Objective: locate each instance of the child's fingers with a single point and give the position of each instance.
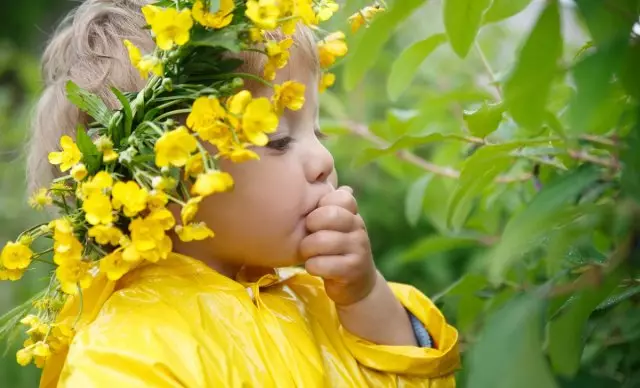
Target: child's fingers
(334, 266)
(331, 218)
(324, 242)
(342, 198)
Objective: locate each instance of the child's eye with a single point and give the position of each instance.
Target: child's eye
(281, 144)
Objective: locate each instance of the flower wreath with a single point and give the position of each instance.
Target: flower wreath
(112, 200)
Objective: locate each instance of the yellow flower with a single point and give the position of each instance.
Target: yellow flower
(195, 166)
(114, 265)
(163, 183)
(157, 199)
(331, 47)
(191, 232)
(190, 209)
(163, 217)
(150, 12)
(130, 196)
(145, 64)
(256, 35)
(24, 356)
(16, 256)
(238, 154)
(69, 155)
(212, 182)
(288, 16)
(219, 19)
(304, 9)
(258, 120)
(278, 53)
(288, 95)
(67, 248)
(207, 118)
(109, 156)
(41, 349)
(74, 273)
(11, 274)
(105, 234)
(365, 15)
(237, 103)
(175, 147)
(263, 13)
(100, 183)
(168, 25)
(145, 234)
(40, 199)
(326, 9)
(327, 81)
(60, 336)
(148, 241)
(98, 209)
(79, 172)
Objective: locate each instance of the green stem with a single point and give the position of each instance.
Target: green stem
(154, 126)
(81, 307)
(39, 260)
(173, 113)
(245, 75)
(487, 67)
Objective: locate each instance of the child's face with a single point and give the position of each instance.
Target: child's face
(262, 221)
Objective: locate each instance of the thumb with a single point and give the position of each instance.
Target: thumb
(348, 189)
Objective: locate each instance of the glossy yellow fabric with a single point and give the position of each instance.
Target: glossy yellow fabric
(180, 324)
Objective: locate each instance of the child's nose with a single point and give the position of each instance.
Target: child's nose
(319, 164)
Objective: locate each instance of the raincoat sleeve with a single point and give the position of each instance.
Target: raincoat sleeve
(127, 347)
(417, 365)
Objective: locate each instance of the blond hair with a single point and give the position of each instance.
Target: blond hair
(87, 48)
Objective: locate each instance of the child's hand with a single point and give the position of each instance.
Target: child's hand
(338, 248)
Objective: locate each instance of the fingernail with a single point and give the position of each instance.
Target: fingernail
(346, 188)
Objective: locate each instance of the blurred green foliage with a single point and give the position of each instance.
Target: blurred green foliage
(491, 146)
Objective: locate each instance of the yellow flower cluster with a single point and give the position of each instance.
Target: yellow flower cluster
(44, 340)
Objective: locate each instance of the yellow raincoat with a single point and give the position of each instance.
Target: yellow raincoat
(178, 323)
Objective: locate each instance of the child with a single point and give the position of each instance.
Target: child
(231, 310)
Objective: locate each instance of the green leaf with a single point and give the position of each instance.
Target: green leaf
(527, 89)
(433, 245)
(594, 89)
(90, 153)
(504, 9)
(88, 103)
(404, 142)
(404, 68)
(547, 209)
(566, 332)
(128, 113)
(462, 21)
(608, 21)
(508, 353)
(484, 120)
(415, 199)
(478, 172)
(226, 38)
(554, 124)
(464, 293)
(631, 166)
(368, 48)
